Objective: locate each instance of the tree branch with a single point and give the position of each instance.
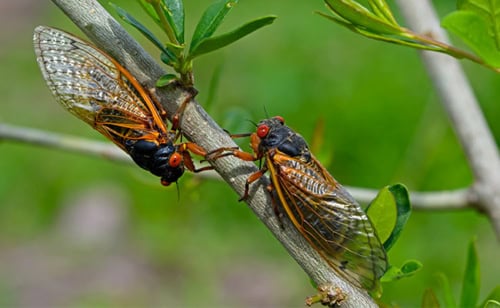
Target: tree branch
(463, 109)
(197, 126)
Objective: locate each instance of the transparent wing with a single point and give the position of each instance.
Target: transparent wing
(95, 88)
(330, 219)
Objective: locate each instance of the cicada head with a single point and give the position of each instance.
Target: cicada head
(274, 134)
(168, 163)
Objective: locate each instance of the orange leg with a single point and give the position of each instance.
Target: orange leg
(252, 178)
(230, 151)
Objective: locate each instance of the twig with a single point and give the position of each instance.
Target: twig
(64, 142)
(197, 126)
(462, 108)
(441, 200)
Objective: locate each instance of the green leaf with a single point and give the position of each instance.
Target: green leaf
(210, 21)
(382, 10)
(150, 11)
(389, 212)
(409, 268)
(402, 199)
(382, 212)
(473, 30)
(174, 13)
(489, 10)
(210, 44)
(471, 282)
(165, 80)
(493, 299)
(361, 17)
(449, 300)
(136, 24)
(429, 299)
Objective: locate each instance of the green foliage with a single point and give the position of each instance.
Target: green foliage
(449, 300)
(169, 15)
(210, 44)
(408, 269)
(470, 285)
(477, 32)
(481, 33)
(472, 279)
(389, 212)
(489, 11)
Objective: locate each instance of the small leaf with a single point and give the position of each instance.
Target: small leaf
(493, 299)
(489, 10)
(429, 299)
(402, 199)
(409, 268)
(473, 30)
(390, 39)
(174, 13)
(210, 20)
(136, 24)
(389, 212)
(382, 10)
(165, 80)
(471, 282)
(382, 212)
(449, 300)
(150, 11)
(210, 44)
(361, 17)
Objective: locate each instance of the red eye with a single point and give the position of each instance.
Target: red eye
(280, 118)
(165, 183)
(262, 130)
(175, 160)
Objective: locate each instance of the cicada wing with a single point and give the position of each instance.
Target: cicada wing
(92, 86)
(330, 219)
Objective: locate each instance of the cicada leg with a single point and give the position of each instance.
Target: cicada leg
(328, 295)
(252, 178)
(190, 147)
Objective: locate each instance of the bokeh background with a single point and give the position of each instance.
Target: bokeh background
(86, 232)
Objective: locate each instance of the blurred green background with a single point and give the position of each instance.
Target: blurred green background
(83, 231)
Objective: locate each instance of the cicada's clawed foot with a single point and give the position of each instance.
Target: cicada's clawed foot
(328, 295)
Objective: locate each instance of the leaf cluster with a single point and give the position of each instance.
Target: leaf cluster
(477, 23)
(169, 16)
(389, 212)
(470, 287)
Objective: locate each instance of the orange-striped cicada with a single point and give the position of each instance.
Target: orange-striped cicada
(317, 205)
(98, 90)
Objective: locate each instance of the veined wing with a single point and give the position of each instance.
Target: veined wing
(329, 218)
(95, 88)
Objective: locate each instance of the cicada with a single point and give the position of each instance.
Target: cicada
(319, 207)
(98, 90)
